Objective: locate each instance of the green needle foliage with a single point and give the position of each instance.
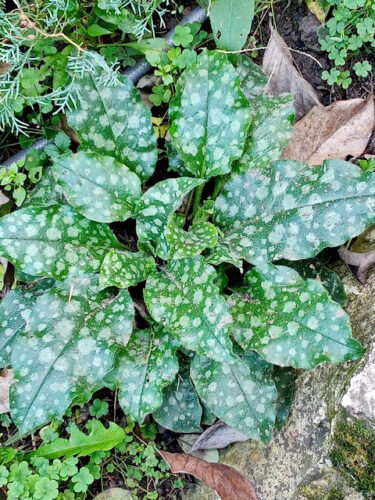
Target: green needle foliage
(155, 318)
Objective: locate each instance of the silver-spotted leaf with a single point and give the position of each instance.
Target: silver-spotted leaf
(269, 132)
(222, 253)
(253, 79)
(46, 192)
(184, 298)
(209, 116)
(292, 210)
(114, 121)
(290, 321)
(231, 22)
(123, 269)
(158, 204)
(54, 240)
(80, 444)
(15, 310)
(143, 369)
(97, 186)
(180, 410)
(67, 349)
(242, 394)
(314, 269)
(179, 243)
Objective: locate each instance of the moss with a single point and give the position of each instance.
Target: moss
(312, 492)
(354, 454)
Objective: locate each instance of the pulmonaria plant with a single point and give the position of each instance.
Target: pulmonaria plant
(129, 305)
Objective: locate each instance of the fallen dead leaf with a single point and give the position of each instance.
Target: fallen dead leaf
(218, 436)
(283, 76)
(114, 494)
(4, 67)
(228, 483)
(6, 378)
(337, 131)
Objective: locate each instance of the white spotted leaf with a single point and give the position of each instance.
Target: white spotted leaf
(114, 121)
(54, 241)
(269, 132)
(184, 297)
(242, 394)
(179, 243)
(290, 321)
(143, 369)
(97, 186)
(67, 348)
(209, 116)
(123, 269)
(15, 310)
(156, 208)
(253, 79)
(180, 410)
(292, 210)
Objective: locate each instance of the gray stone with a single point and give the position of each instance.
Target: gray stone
(114, 494)
(297, 463)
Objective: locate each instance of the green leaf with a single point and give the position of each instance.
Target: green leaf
(285, 380)
(180, 243)
(180, 410)
(183, 297)
(98, 187)
(290, 321)
(241, 394)
(313, 269)
(124, 269)
(15, 309)
(231, 22)
(95, 30)
(114, 121)
(292, 210)
(46, 193)
(209, 116)
(253, 79)
(143, 369)
(80, 444)
(54, 240)
(70, 341)
(157, 205)
(269, 132)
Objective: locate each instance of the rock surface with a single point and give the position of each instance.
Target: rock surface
(321, 453)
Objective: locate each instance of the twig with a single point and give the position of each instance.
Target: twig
(254, 49)
(361, 261)
(26, 22)
(141, 308)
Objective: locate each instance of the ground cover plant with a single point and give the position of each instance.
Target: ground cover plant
(72, 333)
(173, 260)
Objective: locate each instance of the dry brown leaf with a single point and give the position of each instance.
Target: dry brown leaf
(284, 77)
(337, 131)
(4, 67)
(6, 378)
(228, 483)
(218, 436)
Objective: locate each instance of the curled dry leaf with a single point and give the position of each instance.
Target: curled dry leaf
(228, 483)
(283, 77)
(6, 378)
(218, 436)
(359, 263)
(337, 131)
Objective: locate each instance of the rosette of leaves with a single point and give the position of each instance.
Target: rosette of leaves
(209, 347)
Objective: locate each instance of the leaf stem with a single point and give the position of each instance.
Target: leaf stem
(197, 200)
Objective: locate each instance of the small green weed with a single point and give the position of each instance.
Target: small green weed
(349, 36)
